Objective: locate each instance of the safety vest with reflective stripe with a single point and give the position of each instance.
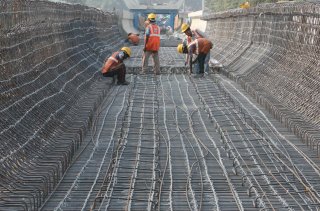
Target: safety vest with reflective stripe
(111, 62)
(134, 39)
(200, 45)
(153, 43)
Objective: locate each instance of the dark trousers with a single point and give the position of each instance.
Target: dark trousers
(119, 71)
(201, 60)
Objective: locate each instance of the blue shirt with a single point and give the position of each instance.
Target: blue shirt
(120, 56)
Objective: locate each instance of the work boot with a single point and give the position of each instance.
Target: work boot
(123, 83)
(157, 73)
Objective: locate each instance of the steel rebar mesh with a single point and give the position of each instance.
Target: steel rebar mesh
(50, 86)
(223, 5)
(273, 51)
(170, 155)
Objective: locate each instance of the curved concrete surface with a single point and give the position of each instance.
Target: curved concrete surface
(127, 22)
(197, 21)
(173, 5)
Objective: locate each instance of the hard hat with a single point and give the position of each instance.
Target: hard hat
(180, 48)
(184, 27)
(152, 16)
(245, 5)
(127, 50)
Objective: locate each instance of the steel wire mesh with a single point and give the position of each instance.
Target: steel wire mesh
(273, 51)
(50, 86)
(223, 5)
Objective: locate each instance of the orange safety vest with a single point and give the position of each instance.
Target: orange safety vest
(153, 43)
(202, 45)
(134, 39)
(111, 62)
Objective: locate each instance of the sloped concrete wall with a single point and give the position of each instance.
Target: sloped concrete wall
(127, 23)
(50, 89)
(273, 51)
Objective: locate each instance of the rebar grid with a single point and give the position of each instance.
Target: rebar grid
(152, 145)
(170, 156)
(273, 176)
(50, 89)
(272, 50)
(135, 168)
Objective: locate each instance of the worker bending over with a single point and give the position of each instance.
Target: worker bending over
(200, 47)
(134, 39)
(151, 45)
(114, 65)
(191, 35)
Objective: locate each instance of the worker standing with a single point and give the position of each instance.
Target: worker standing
(151, 45)
(191, 35)
(134, 39)
(200, 47)
(114, 65)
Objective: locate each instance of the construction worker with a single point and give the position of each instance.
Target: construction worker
(192, 35)
(200, 47)
(151, 45)
(114, 65)
(134, 38)
(169, 31)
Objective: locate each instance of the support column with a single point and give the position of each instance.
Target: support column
(172, 16)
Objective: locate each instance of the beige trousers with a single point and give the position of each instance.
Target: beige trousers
(145, 60)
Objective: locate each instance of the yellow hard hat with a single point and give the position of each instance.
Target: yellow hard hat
(245, 5)
(184, 27)
(180, 48)
(127, 50)
(152, 16)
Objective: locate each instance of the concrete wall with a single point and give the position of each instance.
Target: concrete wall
(197, 22)
(127, 22)
(273, 51)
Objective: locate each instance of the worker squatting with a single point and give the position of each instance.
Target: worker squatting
(195, 43)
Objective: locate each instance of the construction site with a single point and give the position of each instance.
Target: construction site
(244, 136)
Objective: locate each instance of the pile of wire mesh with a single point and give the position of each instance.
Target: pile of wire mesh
(50, 87)
(273, 51)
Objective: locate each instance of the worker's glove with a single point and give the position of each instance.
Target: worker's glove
(144, 49)
(185, 64)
